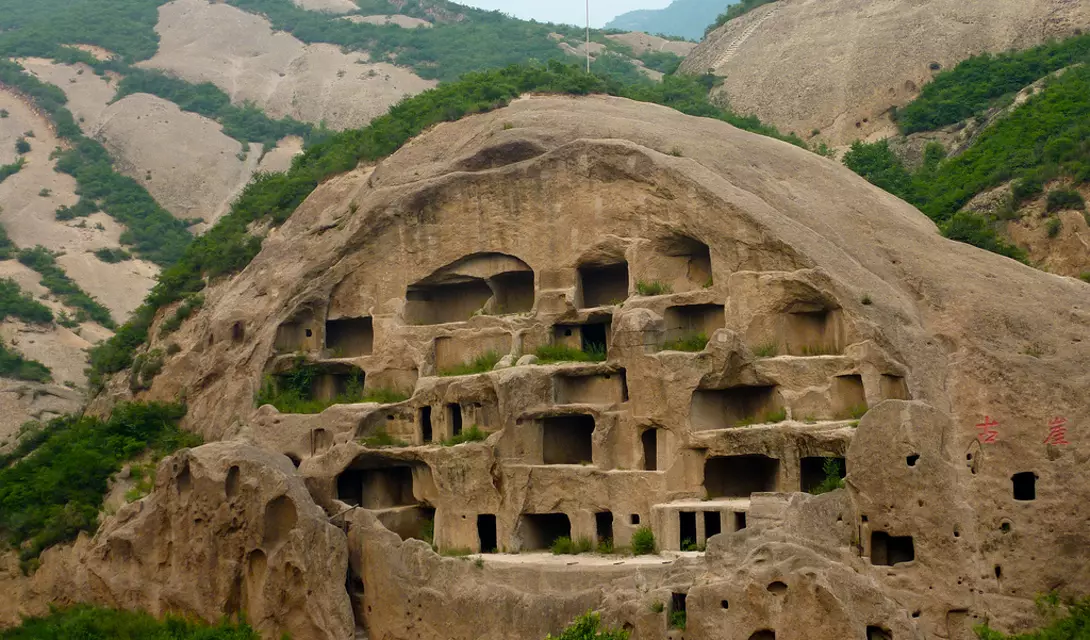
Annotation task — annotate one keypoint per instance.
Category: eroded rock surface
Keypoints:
(837, 67)
(840, 328)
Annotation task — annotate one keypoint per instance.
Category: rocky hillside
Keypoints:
(836, 68)
(732, 368)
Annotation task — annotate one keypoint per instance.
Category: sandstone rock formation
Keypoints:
(822, 299)
(229, 529)
(241, 54)
(838, 66)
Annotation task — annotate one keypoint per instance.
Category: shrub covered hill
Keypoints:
(997, 151)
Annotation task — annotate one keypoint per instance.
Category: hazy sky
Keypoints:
(570, 11)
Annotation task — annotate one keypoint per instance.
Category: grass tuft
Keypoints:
(480, 364)
(472, 434)
(693, 342)
(553, 353)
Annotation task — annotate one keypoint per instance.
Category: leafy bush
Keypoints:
(1053, 227)
(1071, 622)
(552, 353)
(14, 365)
(112, 256)
(589, 627)
(56, 280)
(22, 146)
(51, 496)
(566, 546)
(382, 438)
(692, 342)
(975, 83)
(479, 364)
(1026, 188)
(184, 310)
(643, 541)
(677, 620)
(8, 170)
(291, 391)
(15, 303)
(1060, 199)
(653, 288)
(97, 623)
(472, 434)
(834, 471)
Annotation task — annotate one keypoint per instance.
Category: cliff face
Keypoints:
(838, 66)
(837, 328)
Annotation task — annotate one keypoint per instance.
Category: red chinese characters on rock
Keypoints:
(987, 431)
(1057, 432)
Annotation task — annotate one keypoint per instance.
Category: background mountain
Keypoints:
(683, 18)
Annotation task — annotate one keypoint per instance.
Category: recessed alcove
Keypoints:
(482, 283)
(735, 406)
(350, 337)
(598, 388)
(567, 439)
(739, 476)
(602, 285)
(538, 531)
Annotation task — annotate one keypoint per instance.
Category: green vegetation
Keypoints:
(184, 310)
(54, 494)
(735, 11)
(658, 607)
(15, 303)
(479, 364)
(768, 350)
(112, 256)
(589, 627)
(96, 623)
(144, 369)
(677, 619)
(856, 412)
(22, 146)
(292, 391)
(14, 365)
(692, 342)
(472, 434)
(653, 288)
(1060, 199)
(643, 541)
(228, 247)
(834, 476)
(382, 438)
(8, 170)
(1070, 622)
(566, 546)
(53, 278)
(553, 353)
(976, 84)
(768, 417)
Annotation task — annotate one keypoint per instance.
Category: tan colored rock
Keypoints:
(407, 22)
(837, 67)
(241, 54)
(327, 6)
(641, 42)
(840, 324)
(228, 529)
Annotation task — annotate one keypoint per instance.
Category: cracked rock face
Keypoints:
(837, 67)
(228, 530)
(763, 320)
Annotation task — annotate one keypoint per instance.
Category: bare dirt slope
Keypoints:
(407, 22)
(327, 6)
(837, 66)
(183, 159)
(644, 42)
(241, 54)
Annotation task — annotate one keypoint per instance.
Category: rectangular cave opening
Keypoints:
(713, 523)
(739, 476)
(296, 334)
(686, 321)
(739, 520)
(813, 333)
(894, 388)
(735, 407)
(600, 388)
(454, 418)
(567, 439)
(649, 439)
(413, 522)
(486, 532)
(514, 292)
(603, 525)
(821, 474)
(454, 301)
(350, 337)
(426, 434)
(376, 488)
(848, 396)
(602, 285)
(889, 550)
(686, 522)
(538, 531)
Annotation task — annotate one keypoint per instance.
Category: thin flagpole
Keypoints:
(588, 36)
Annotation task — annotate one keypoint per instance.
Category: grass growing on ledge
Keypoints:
(92, 623)
(382, 438)
(566, 546)
(856, 412)
(653, 288)
(770, 417)
(480, 364)
(693, 342)
(472, 434)
(766, 350)
(553, 353)
(290, 392)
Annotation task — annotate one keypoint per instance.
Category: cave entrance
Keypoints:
(889, 550)
(694, 319)
(538, 531)
(739, 476)
(350, 337)
(650, 441)
(486, 532)
(603, 285)
(601, 388)
(603, 525)
(686, 522)
(374, 484)
(567, 439)
(818, 471)
(735, 407)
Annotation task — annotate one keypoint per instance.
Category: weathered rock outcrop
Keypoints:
(229, 529)
(603, 224)
(838, 66)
